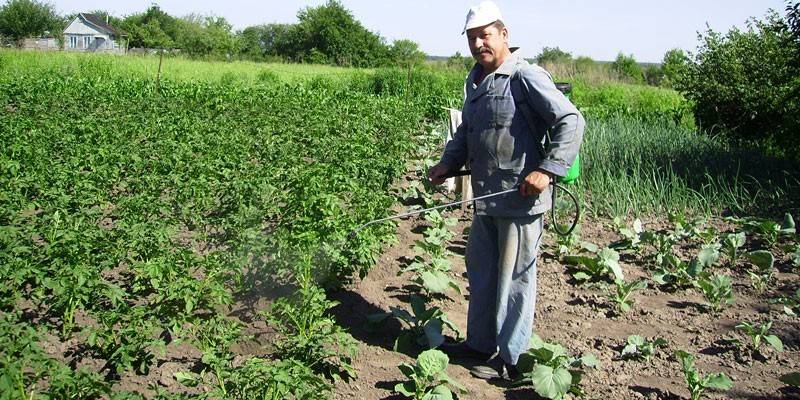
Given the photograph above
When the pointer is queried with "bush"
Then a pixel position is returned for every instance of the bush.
(674, 67)
(746, 82)
(627, 68)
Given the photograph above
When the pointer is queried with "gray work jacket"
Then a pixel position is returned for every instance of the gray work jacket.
(500, 146)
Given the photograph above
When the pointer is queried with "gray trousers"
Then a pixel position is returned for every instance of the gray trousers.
(501, 268)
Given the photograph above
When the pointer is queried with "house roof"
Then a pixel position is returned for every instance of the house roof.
(97, 21)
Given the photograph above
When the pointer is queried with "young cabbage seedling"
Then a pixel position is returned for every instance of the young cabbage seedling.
(759, 333)
(424, 326)
(641, 348)
(771, 231)
(717, 290)
(428, 379)
(764, 262)
(622, 293)
(597, 268)
(678, 273)
(663, 246)
(555, 373)
(791, 304)
(731, 243)
(698, 383)
(631, 236)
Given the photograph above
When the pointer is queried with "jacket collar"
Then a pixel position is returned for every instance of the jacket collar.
(509, 65)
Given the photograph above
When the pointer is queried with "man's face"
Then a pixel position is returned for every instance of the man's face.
(488, 45)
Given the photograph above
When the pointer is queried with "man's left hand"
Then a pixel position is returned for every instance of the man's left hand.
(536, 182)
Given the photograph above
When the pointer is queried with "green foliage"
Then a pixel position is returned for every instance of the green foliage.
(263, 42)
(257, 378)
(460, 62)
(621, 295)
(406, 52)
(20, 19)
(640, 348)
(791, 379)
(731, 243)
(791, 304)
(764, 262)
(153, 28)
(769, 230)
(554, 372)
(675, 66)
(677, 273)
(627, 68)
(24, 365)
(431, 265)
(329, 34)
(698, 383)
(717, 289)
(206, 37)
(598, 267)
(424, 327)
(745, 82)
(309, 334)
(757, 334)
(551, 55)
(428, 379)
(631, 236)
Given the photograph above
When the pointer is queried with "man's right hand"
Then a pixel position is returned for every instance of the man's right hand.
(436, 172)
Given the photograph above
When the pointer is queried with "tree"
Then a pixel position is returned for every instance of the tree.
(675, 66)
(553, 55)
(206, 37)
(330, 34)
(584, 64)
(406, 52)
(747, 82)
(460, 62)
(152, 29)
(20, 19)
(627, 68)
(264, 41)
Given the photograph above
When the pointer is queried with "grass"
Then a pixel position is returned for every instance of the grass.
(173, 68)
(631, 166)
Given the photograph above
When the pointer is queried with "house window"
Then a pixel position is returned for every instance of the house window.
(86, 42)
(73, 42)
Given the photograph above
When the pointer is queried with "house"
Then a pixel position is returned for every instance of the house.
(89, 32)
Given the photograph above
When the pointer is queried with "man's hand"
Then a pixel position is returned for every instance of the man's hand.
(436, 172)
(536, 182)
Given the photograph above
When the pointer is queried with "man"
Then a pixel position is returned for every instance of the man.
(510, 107)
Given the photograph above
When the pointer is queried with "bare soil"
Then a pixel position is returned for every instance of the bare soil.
(583, 320)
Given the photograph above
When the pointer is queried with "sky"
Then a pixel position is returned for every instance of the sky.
(600, 29)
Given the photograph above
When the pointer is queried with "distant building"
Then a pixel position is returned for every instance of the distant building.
(90, 33)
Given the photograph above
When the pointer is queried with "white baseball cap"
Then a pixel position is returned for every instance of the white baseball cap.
(483, 14)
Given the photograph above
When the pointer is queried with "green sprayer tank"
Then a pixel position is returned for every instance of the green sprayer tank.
(575, 170)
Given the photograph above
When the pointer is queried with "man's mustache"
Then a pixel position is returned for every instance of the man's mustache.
(481, 50)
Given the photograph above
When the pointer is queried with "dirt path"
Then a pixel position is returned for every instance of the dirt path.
(580, 319)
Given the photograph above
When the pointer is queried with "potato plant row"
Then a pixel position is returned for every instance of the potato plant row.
(132, 213)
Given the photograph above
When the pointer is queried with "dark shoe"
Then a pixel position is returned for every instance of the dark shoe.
(462, 350)
(496, 370)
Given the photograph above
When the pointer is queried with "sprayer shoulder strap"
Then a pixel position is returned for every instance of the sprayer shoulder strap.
(520, 94)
